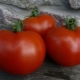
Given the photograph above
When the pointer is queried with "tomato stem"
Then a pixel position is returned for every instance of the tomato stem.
(34, 12)
(71, 24)
(18, 26)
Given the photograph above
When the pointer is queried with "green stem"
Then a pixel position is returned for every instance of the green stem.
(34, 12)
(18, 26)
(71, 24)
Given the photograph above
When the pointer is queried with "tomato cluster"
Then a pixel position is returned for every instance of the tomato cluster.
(23, 50)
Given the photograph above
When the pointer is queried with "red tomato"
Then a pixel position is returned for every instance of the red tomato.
(63, 46)
(40, 24)
(22, 52)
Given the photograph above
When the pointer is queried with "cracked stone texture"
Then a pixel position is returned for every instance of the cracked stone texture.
(75, 4)
(32, 3)
(27, 4)
(9, 13)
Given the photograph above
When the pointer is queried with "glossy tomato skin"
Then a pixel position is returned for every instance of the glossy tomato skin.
(40, 24)
(21, 53)
(63, 46)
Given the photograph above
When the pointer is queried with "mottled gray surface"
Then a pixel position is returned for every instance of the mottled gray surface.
(75, 4)
(27, 4)
(9, 13)
(48, 71)
(5, 26)
(33, 3)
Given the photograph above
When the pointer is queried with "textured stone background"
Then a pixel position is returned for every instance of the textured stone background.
(9, 13)
(75, 4)
(32, 3)
(58, 8)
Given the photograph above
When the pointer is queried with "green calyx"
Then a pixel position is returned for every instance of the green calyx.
(71, 24)
(34, 12)
(18, 26)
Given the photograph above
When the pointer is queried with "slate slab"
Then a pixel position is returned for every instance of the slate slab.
(75, 4)
(27, 4)
(9, 13)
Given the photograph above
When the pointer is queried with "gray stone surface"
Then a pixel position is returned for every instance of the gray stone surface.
(75, 4)
(48, 71)
(3, 26)
(9, 13)
(32, 3)
(27, 4)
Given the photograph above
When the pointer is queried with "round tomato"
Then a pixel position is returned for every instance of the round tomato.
(40, 24)
(63, 45)
(22, 52)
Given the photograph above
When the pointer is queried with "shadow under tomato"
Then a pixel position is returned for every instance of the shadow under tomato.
(49, 60)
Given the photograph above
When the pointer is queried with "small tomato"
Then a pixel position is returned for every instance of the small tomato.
(39, 23)
(63, 44)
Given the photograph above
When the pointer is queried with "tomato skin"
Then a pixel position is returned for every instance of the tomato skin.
(21, 53)
(40, 24)
(63, 46)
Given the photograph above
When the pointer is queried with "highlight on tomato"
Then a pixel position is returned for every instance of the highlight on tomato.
(21, 52)
(63, 43)
(40, 23)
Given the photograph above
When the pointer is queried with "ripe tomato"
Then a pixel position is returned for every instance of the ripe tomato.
(40, 24)
(22, 52)
(63, 45)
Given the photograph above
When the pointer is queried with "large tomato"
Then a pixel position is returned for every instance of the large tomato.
(40, 24)
(63, 44)
(22, 52)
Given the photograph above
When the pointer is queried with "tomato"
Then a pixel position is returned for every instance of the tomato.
(22, 52)
(63, 45)
(40, 24)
